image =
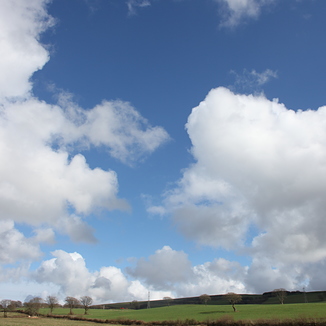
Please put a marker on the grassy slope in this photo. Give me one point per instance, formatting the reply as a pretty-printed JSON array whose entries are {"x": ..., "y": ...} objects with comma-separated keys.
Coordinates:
[
  {"x": 266, "y": 298},
  {"x": 209, "y": 312},
  {"x": 42, "y": 322},
  {"x": 15, "y": 319}
]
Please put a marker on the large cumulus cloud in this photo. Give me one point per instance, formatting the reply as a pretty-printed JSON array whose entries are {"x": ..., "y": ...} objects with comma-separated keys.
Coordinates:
[
  {"x": 171, "y": 270},
  {"x": 40, "y": 182},
  {"x": 14, "y": 246},
  {"x": 21, "y": 23},
  {"x": 45, "y": 180},
  {"x": 167, "y": 272},
  {"x": 258, "y": 179},
  {"x": 164, "y": 269},
  {"x": 68, "y": 271}
]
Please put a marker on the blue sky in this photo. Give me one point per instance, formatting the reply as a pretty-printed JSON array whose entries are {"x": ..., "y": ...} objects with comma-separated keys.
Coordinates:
[{"x": 170, "y": 146}]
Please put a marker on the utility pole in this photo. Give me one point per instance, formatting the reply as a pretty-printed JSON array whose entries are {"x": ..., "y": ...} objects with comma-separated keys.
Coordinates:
[
  {"x": 305, "y": 295},
  {"x": 149, "y": 300}
]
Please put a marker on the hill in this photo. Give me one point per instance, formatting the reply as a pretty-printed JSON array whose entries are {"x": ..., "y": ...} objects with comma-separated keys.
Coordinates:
[{"x": 265, "y": 298}]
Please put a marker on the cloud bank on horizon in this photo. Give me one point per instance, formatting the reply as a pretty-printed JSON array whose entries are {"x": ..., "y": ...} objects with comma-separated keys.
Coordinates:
[{"x": 257, "y": 165}]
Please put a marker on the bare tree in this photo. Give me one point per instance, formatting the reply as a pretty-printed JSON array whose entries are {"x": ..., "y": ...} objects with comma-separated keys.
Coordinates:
[
  {"x": 135, "y": 304},
  {"x": 204, "y": 298},
  {"x": 72, "y": 303},
  {"x": 52, "y": 302},
  {"x": 280, "y": 294},
  {"x": 33, "y": 306},
  {"x": 233, "y": 298},
  {"x": 86, "y": 301},
  {"x": 5, "y": 304},
  {"x": 15, "y": 304},
  {"x": 168, "y": 300}
]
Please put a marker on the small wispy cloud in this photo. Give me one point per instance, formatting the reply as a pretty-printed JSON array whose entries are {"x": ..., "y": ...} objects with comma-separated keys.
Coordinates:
[
  {"x": 252, "y": 80},
  {"x": 236, "y": 11},
  {"x": 133, "y": 4},
  {"x": 263, "y": 77},
  {"x": 93, "y": 5},
  {"x": 232, "y": 12}
]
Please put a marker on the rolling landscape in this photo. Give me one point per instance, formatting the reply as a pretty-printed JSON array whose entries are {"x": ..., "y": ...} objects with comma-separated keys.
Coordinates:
[
  {"x": 299, "y": 308},
  {"x": 265, "y": 298},
  {"x": 162, "y": 162}
]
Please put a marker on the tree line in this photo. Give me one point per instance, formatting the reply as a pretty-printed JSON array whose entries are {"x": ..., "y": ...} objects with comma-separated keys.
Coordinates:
[{"x": 33, "y": 306}]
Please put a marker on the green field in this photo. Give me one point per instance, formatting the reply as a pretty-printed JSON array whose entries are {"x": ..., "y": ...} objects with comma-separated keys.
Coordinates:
[
  {"x": 209, "y": 312},
  {"x": 18, "y": 320}
]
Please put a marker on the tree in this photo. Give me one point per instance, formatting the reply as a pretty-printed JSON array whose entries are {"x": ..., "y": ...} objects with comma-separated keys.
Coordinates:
[
  {"x": 204, "y": 298},
  {"x": 168, "y": 300},
  {"x": 72, "y": 303},
  {"x": 33, "y": 306},
  {"x": 86, "y": 301},
  {"x": 5, "y": 304},
  {"x": 233, "y": 298},
  {"x": 135, "y": 304},
  {"x": 15, "y": 304},
  {"x": 52, "y": 302},
  {"x": 280, "y": 294}
]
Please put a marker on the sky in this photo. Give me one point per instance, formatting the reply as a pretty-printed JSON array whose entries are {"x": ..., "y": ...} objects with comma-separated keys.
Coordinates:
[{"x": 162, "y": 147}]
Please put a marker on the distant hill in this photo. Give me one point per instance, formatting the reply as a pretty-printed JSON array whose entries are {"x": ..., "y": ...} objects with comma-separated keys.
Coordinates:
[{"x": 265, "y": 298}]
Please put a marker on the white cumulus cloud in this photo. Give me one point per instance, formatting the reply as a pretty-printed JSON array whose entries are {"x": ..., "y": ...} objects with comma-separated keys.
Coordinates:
[
  {"x": 21, "y": 23},
  {"x": 39, "y": 182},
  {"x": 163, "y": 269},
  {"x": 257, "y": 164},
  {"x": 14, "y": 246},
  {"x": 68, "y": 272},
  {"x": 171, "y": 270},
  {"x": 165, "y": 273},
  {"x": 45, "y": 180}
]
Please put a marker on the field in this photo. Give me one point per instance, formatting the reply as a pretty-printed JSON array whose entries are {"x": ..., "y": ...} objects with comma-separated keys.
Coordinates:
[
  {"x": 209, "y": 312},
  {"x": 14, "y": 320},
  {"x": 199, "y": 313}
]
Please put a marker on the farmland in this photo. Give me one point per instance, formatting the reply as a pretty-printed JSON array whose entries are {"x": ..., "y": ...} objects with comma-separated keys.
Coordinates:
[
  {"x": 14, "y": 320},
  {"x": 187, "y": 311},
  {"x": 202, "y": 313}
]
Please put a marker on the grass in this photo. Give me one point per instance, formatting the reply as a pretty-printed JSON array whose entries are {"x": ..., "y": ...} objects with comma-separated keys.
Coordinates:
[
  {"x": 15, "y": 319},
  {"x": 209, "y": 312}
]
